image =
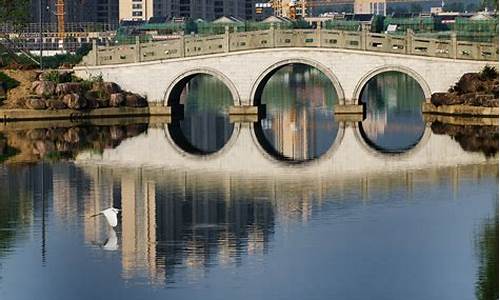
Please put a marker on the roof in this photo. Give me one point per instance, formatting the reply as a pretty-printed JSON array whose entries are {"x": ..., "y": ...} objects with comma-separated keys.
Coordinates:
[
  {"x": 156, "y": 20},
  {"x": 228, "y": 19},
  {"x": 276, "y": 19}
]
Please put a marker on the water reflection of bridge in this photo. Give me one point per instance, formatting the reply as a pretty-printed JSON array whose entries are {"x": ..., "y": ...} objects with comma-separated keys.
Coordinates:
[
  {"x": 349, "y": 155},
  {"x": 178, "y": 218}
]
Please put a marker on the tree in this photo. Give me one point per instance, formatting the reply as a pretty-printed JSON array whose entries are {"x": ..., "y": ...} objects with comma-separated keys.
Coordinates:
[{"x": 16, "y": 12}]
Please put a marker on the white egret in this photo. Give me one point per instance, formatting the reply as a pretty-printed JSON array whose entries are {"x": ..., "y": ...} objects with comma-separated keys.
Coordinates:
[
  {"x": 111, "y": 243},
  {"x": 110, "y": 214}
]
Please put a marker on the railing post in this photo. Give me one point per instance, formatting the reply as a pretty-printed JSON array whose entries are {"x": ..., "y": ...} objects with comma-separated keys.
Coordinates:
[
  {"x": 272, "y": 33},
  {"x": 226, "y": 39},
  {"x": 137, "y": 49},
  {"x": 454, "y": 45},
  {"x": 364, "y": 37},
  {"x": 318, "y": 28},
  {"x": 95, "y": 52},
  {"x": 183, "y": 45},
  {"x": 409, "y": 41}
]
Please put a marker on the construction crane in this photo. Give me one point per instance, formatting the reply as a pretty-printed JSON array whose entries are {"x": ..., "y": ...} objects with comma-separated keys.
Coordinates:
[{"x": 61, "y": 32}]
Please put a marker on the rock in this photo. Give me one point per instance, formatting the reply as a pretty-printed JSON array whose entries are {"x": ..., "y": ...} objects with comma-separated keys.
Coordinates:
[
  {"x": 55, "y": 104},
  {"x": 43, "y": 88},
  {"x": 439, "y": 99},
  {"x": 74, "y": 101},
  {"x": 469, "y": 83},
  {"x": 117, "y": 133},
  {"x": 91, "y": 95},
  {"x": 72, "y": 136},
  {"x": 106, "y": 87},
  {"x": 102, "y": 103},
  {"x": 36, "y": 134},
  {"x": 35, "y": 103},
  {"x": 92, "y": 103},
  {"x": 111, "y": 88},
  {"x": 43, "y": 147},
  {"x": 69, "y": 88},
  {"x": 18, "y": 103},
  {"x": 134, "y": 100},
  {"x": 60, "y": 77},
  {"x": 116, "y": 99}
]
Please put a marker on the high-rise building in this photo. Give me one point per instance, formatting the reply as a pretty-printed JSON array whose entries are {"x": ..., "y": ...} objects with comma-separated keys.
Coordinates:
[
  {"x": 77, "y": 11},
  {"x": 205, "y": 9},
  {"x": 136, "y": 9}
]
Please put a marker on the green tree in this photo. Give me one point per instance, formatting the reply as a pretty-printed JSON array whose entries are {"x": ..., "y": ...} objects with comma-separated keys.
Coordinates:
[{"x": 16, "y": 12}]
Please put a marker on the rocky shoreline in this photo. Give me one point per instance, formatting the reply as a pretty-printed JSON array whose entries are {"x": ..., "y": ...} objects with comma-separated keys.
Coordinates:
[
  {"x": 473, "y": 89},
  {"x": 54, "y": 90}
]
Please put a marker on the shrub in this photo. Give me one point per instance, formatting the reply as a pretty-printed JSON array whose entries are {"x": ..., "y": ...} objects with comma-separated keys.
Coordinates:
[
  {"x": 489, "y": 73},
  {"x": 9, "y": 82}
]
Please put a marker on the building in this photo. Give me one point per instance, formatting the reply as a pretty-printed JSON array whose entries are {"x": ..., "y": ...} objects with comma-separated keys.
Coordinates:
[
  {"x": 375, "y": 7},
  {"x": 136, "y": 9},
  {"x": 203, "y": 9},
  {"x": 77, "y": 11}
]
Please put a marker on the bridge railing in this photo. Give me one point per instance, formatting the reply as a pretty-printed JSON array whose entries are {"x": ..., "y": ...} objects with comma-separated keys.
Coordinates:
[{"x": 191, "y": 45}]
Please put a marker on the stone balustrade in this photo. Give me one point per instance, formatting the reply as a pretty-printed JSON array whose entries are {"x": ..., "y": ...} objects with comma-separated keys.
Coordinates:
[{"x": 192, "y": 45}]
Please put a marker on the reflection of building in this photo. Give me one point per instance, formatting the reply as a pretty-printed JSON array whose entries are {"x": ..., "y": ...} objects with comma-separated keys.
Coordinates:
[{"x": 297, "y": 101}]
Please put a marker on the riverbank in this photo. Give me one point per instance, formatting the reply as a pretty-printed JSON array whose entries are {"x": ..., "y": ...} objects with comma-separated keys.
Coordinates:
[{"x": 474, "y": 94}]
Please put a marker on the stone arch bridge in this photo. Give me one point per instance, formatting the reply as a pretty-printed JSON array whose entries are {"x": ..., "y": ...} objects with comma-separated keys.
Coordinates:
[{"x": 244, "y": 61}]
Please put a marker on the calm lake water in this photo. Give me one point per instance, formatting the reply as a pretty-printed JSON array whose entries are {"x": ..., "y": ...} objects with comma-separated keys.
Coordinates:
[{"x": 298, "y": 204}]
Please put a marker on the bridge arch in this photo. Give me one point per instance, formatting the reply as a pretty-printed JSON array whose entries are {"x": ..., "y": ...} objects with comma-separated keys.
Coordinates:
[
  {"x": 175, "y": 88},
  {"x": 260, "y": 83},
  {"x": 388, "y": 68}
]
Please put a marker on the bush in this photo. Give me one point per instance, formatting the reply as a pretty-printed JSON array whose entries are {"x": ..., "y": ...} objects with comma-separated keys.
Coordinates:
[
  {"x": 10, "y": 83},
  {"x": 489, "y": 73}
]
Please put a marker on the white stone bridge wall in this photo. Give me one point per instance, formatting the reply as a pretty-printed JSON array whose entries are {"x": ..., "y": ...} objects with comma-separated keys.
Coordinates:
[{"x": 243, "y": 71}]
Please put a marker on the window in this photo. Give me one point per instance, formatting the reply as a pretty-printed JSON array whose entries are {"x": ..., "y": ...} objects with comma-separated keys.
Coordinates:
[{"x": 137, "y": 13}]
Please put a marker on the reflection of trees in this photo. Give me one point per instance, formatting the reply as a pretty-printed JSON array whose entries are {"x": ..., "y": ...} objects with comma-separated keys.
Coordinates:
[
  {"x": 205, "y": 93},
  {"x": 487, "y": 243}
]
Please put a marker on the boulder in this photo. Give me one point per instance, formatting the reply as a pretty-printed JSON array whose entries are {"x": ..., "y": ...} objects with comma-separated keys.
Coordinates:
[
  {"x": 43, "y": 88},
  {"x": 102, "y": 103},
  {"x": 134, "y": 100},
  {"x": 69, "y": 88},
  {"x": 116, "y": 99},
  {"x": 72, "y": 136},
  {"x": 469, "y": 83},
  {"x": 55, "y": 104},
  {"x": 91, "y": 95},
  {"x": 43, "y": 147},
  {"x": 36, "y": 103},
  {"x": 111, "y": 88},
  {"x": 74, "y": 101},
  {"x": 439, "y": 99},
  {"x": 92, "y": 103},
  {"x": 60, "y": 76}
]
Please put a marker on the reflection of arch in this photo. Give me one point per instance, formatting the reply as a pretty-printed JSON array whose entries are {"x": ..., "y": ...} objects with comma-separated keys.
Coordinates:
[
  {"x": 271, "y": 154},
  {"x": 396, "y": 68},
  {"x": 260, "y": 83},
  {"x": 230, "y": 142},
  {"x": 174, "y": 90},
  {"x": 370, "y": 147}
]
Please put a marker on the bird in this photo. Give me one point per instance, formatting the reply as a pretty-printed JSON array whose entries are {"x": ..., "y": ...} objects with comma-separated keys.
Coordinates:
[
  {"x": 110, "y": 214},
  {"x": 111, "y": 242}
]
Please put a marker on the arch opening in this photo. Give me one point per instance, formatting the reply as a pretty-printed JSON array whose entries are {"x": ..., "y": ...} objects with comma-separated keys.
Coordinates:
[
  {"x": 393, "y": 120},
  {"x": 298, "y": 123},
  {"x": 200, "y": 114}
]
